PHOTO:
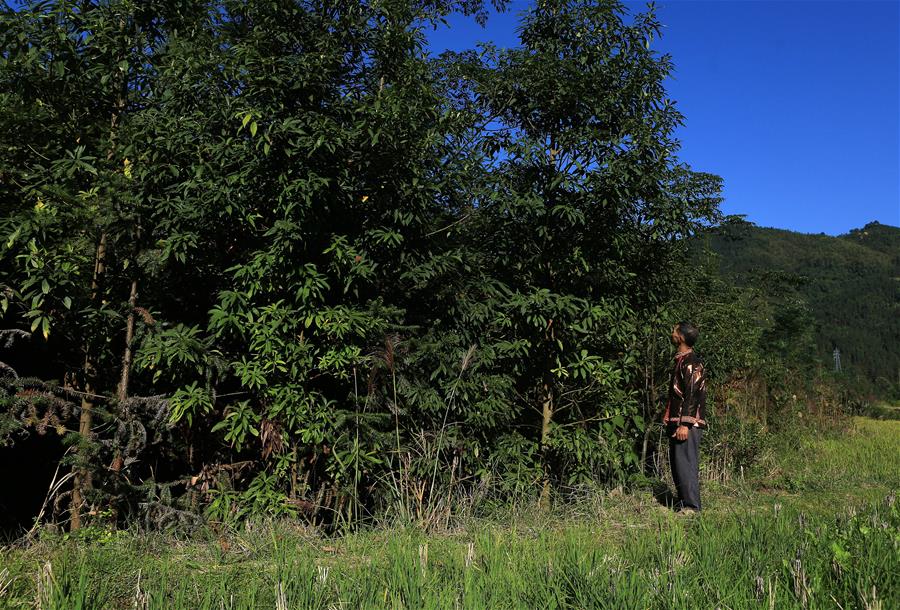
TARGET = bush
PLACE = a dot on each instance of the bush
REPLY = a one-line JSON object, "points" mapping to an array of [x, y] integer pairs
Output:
{"points": [[733, 446]]}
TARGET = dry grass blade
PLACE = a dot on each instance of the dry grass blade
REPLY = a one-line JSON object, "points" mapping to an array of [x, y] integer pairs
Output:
{"points": [[55, 486], [5, 581]]}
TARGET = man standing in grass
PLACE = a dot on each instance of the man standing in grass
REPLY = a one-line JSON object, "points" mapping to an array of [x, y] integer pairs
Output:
{"points": [[684, 417]]}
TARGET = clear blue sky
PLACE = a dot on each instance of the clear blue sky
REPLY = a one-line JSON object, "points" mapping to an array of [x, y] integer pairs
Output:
{"points": [[795, 103]]}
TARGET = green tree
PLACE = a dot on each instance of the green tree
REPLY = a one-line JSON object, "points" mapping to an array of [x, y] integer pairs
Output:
{"points": [[73, 76], [353, 270], [324, 173], [582, 205]]}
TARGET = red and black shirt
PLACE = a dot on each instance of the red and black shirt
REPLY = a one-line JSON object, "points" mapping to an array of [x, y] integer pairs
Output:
{"points": [[687, 392]]}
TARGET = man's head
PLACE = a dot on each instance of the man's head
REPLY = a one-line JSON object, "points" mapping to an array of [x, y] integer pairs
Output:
{"points": [[685, 332]]}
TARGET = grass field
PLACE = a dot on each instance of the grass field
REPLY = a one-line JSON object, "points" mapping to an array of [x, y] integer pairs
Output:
{"points": [[820, 530]]}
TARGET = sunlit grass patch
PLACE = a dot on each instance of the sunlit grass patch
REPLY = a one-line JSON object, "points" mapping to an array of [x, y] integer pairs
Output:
{"points": [[787, 559], [860, 462]]}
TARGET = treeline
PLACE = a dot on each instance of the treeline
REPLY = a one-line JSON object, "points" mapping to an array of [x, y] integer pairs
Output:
{"points": [[849, 284], [272, 257]]}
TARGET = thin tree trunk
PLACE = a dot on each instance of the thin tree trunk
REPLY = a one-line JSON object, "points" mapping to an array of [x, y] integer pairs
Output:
{"points": [[546, 420], [651, 413], [122, 390], [122, 393], [82, 480]]}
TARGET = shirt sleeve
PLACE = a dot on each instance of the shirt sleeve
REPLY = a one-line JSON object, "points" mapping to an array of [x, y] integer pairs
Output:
{"points": [[693, 382]]}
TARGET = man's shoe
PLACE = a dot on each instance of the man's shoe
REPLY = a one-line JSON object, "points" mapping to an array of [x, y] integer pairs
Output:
{"points": [[687, 512]]}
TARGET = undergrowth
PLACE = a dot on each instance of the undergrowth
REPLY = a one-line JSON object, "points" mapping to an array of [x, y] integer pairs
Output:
{"points": [[822, 531]]}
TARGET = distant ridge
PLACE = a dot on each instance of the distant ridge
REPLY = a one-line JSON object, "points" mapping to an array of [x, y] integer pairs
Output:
{"points": [[852, 286], [877, 236]]}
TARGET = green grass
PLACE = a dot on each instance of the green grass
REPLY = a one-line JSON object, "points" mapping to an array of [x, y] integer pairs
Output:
{"points": [[823, 533], [860, 463]]}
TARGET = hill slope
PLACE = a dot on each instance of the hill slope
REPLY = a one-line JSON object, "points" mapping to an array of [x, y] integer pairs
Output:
{"points": [[851, 282]]}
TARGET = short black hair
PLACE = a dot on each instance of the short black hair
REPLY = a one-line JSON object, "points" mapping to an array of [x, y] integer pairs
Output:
{"points": [[688, 332]]}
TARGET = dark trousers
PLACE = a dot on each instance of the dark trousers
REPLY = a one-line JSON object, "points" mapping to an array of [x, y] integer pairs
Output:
{"points": [[683, 458]]}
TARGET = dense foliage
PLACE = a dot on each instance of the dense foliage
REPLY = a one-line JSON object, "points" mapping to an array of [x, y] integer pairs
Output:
{"points": [[272, 257]]}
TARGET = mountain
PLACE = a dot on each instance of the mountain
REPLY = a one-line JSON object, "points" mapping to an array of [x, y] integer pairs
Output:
{"points": [[879, 237], [851, 283]]}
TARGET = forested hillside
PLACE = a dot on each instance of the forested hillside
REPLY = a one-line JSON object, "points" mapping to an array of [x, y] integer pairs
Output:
{"points": [[850, 283]]}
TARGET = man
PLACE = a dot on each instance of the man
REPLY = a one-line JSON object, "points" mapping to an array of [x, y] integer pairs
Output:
{"points": [[684, 417]]}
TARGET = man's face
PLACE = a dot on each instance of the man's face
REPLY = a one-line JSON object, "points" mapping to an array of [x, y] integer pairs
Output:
{"points": [[676, 336]]}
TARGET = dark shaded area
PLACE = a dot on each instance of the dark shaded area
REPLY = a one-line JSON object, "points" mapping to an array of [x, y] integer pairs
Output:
{"points": [[663, 494], [28, 355], [26, 471]]}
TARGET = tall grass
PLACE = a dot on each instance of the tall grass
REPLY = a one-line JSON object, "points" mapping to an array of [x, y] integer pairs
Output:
{"points": [[860, 461], [822, 543], [750, 559]]}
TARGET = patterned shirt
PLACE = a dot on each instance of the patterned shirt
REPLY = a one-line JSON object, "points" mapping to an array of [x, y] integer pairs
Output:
{"points": [[687, 392]]}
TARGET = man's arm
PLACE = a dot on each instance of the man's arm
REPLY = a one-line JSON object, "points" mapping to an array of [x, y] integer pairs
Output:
{"points": [[694, 388], [681, 388]]}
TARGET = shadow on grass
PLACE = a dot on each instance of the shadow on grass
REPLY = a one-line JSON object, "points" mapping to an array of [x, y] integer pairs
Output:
{"points": [[663, 494]]}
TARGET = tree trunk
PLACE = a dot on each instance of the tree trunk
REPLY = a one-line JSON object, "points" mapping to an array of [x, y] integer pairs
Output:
{"points": [[122, 393], [651, 412], [546, 420], [82, 480]]}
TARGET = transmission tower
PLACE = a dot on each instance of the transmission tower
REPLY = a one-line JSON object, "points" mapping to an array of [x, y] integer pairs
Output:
{"points": [[837, 360]]}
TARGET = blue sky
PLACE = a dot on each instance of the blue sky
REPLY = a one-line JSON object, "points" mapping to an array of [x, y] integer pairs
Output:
{"points": [[795, 103]]}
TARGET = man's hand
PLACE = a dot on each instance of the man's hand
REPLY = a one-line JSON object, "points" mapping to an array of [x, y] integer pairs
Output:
{"points": [[681, 433]]}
